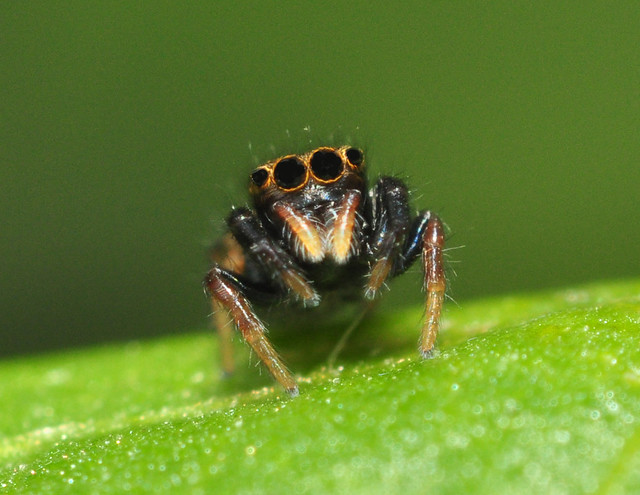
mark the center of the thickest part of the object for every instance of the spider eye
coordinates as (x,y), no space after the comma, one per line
(354,156)
(259,177)
(289,173)
(326,165)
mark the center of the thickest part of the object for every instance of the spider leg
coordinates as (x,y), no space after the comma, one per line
(390,212)
(228,254)
(426,236)
(396,242)
(228,291)
(222,320)
(434,281)
(223,325)
(272,259)
(252,267)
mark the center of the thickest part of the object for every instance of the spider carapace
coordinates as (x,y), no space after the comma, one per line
(315,227)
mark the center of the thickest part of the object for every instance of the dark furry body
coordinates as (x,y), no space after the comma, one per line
(315,229)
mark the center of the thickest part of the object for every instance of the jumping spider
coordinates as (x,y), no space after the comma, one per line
(315,228)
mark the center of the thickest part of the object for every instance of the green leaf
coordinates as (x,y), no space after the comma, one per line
(526,394)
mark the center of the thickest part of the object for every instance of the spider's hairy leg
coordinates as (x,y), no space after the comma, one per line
(390,216)
(274,261)
(225,291)
(223,325)
(426,237)
(227,254)
(434,283)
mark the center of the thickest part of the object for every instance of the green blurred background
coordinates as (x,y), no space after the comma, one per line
(126,129)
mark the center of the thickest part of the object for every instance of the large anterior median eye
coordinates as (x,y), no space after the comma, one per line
(289,173)
(326,165)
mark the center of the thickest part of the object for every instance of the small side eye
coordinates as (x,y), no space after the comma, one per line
(289,173)
(259,177)
(354,156)
(326,165)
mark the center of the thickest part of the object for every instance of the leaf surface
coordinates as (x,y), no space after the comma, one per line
(531,394)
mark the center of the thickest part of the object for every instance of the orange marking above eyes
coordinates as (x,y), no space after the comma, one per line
(306,237)
(341,238)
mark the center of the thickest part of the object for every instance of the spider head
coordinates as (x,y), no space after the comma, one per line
(313,201)
(317,176)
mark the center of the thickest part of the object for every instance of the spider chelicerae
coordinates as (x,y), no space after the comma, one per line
(316,228)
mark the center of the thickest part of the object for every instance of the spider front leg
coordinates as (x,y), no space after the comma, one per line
(227,291)
(271,260)
(390,221)
(267,274)
(228,255)
(424,235)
